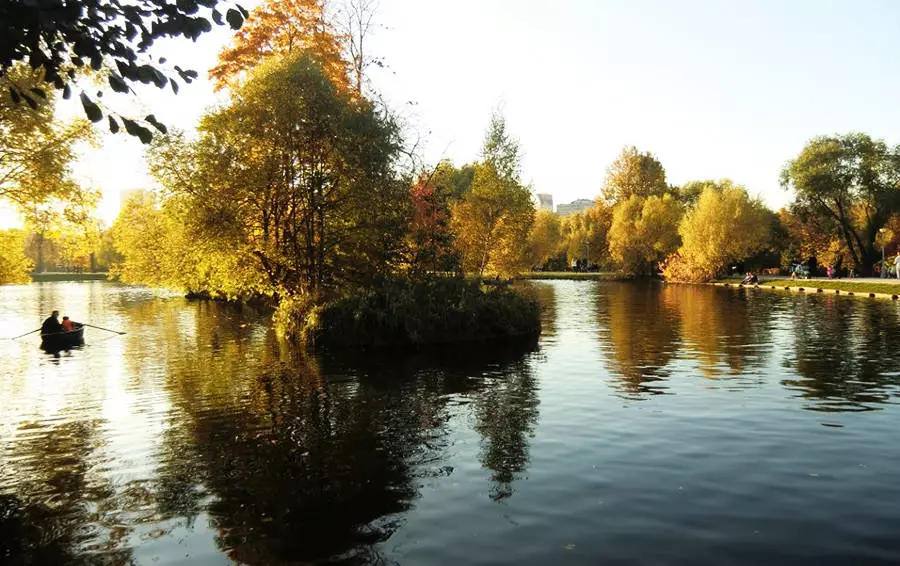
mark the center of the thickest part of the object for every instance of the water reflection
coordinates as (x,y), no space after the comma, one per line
(844,352)
(198,437)
(638,331)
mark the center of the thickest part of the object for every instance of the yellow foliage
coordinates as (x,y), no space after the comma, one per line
(726,225)
(643,232)
(14,266)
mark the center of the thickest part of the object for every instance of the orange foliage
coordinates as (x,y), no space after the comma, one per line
(283,26)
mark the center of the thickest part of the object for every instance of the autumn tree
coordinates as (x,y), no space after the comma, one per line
(36,151)
(585,234)
(450,182)
(430,238)
(851,183)
(545,238)
(725,226)
(281,27)
(14,265)
(297,176)
(494,217)
(643,232)
(634,174)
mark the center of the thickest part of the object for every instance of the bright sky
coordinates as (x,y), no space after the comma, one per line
(713,88)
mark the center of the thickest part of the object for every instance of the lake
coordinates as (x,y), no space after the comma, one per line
(650,424)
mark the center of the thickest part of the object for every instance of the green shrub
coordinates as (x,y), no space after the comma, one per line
(400,312)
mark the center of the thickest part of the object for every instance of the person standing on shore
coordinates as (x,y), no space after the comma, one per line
(897,264)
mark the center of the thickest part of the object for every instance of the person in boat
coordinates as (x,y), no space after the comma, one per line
(52,324)
(67,325)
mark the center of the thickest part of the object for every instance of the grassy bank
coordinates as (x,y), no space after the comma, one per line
(405,313)
(864,288)
(574,275)
(64,276)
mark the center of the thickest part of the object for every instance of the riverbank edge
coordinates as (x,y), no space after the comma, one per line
(50,276)
(573,276)
(797,286)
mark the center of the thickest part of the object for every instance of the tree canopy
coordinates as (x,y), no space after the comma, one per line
(643,232)
(295,176)
(725,226)
(494,217)
(36,150)
(850,182)
(634,174)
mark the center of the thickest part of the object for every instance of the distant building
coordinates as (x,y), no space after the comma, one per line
(140,195)
(574,207)
(545,201)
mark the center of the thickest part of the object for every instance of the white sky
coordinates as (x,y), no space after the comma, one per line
(714,88)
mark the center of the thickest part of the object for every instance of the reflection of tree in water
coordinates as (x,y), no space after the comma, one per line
(61,512)
(844,352)
(507,411)
(723,326)
(638,332)
(304,467)
(545,294)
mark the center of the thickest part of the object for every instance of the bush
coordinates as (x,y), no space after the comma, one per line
(401,312)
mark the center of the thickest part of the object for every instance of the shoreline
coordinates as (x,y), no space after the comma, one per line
(817,286)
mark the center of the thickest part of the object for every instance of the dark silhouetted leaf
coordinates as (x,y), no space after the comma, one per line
(174,86)
(67,92)
(217,17)
(151,119)
(15,95)
(117,84)
(113,125)
(235,20)
(93,111)
(39,92)
(244,12)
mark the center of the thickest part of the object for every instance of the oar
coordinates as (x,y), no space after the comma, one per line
(27,333)
(101,328)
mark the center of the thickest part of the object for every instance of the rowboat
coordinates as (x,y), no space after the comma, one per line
(63,340)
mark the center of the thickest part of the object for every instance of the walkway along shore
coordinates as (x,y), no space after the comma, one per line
(857,287)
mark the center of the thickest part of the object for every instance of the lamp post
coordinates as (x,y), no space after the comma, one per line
(883,267)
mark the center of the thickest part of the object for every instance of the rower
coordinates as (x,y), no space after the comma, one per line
(51,325)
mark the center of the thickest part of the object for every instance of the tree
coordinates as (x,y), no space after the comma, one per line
(295,176)
(36,151)
(451,182)
(545,238)
(14,265)
(491,223)
(62,38)
(585,235)
(500,150)
(850,182)
(280,27)
(430,237)
(634,174)
(726,226)
(643,232)
(494,217)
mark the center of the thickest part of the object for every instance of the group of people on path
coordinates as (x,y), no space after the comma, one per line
(53,326)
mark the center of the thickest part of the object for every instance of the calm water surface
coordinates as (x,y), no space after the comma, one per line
(649,425)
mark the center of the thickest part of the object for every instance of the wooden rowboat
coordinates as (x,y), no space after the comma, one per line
(63,340)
